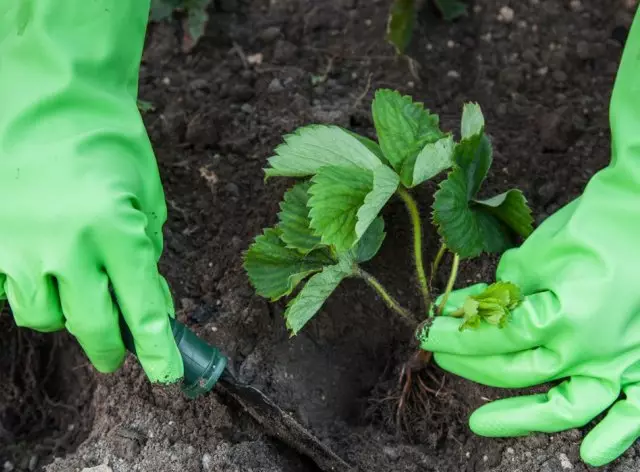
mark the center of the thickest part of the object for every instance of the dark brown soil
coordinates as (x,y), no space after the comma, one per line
(543,80)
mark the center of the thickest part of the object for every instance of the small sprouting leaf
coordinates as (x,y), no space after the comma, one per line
(309,148)
(472,120)
(511,208)
(145,106)
(451,9)
(315,292)
(275,270)
(344,202)
(493,305)
(401,23)
(371,242)
(294,220)
(433,159)
(469,226)
(508,293)
(404,127)
(162,9)
(385,184)
(197,19)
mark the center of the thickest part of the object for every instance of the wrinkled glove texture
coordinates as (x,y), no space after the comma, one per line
(580,321)
(81,202)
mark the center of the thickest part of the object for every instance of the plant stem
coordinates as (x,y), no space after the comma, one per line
(436,263)
(450,283)
(391,302)
(414,213)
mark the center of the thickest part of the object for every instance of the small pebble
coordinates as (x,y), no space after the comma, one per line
(559,76)
(565,462)
(575,5)
(166,81)
(247,108)
(453,74)
(7,467)
(451,44)
(270,34)
(275,86)
(510,450)
(33,463)
(506,14)
(485,458)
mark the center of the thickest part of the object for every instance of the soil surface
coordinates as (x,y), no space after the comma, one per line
(542,70)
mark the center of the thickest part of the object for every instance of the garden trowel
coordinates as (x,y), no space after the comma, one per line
(205,367)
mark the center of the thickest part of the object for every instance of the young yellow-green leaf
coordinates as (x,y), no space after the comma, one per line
(370,242)
(511,208)
(493,305)
(433,159)
(451,9)
(309,148)
(294,222)
(403,127)
(275,270)
(400,24)
(385,184)
(315,292)
(345,201)
(468,226)
(472,120)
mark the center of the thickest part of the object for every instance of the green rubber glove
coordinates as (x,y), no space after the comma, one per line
(580,321)
(81,202)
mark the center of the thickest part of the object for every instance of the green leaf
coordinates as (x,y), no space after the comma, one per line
(401,23)
(308,149)
(433,159)
(197,22)
(472,120)
(371,146)
(345,201)
(316,291)
(385,184)
(457,224)
(469,226)
(275,270)
(474,156)
(403,128)
(371,242)
(336,195)
(511,208)
(451,9)
(493,305)
(294,221)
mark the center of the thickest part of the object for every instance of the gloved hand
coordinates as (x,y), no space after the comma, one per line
(81,202)
(580,321)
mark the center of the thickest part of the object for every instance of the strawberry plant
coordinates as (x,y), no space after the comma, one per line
(330,220)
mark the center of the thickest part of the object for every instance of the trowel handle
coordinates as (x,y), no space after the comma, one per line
(203,363)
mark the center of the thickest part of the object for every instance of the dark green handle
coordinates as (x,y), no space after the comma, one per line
(203,363)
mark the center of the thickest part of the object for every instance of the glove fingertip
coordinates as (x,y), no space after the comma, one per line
(593,456)
(106,362)
(163,364)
